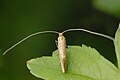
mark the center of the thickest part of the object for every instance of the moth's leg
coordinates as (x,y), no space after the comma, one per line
(56,42)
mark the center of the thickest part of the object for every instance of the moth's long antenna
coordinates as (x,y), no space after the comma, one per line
(106,36)
(27,38)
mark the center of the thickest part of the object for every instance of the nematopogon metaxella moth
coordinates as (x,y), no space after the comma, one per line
(61,43)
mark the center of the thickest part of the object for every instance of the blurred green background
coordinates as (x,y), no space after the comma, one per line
(19,18)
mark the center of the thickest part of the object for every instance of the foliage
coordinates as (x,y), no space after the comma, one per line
(108,6)
(83,63)
(117,45)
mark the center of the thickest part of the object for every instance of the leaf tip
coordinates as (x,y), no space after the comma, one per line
(119,26)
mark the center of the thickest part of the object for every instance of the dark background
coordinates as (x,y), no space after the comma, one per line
(19,18)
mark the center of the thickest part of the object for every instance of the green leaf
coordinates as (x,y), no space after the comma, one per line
(117,45)
(108,6)
(83,63)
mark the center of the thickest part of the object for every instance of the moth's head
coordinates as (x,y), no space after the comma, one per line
(60,34)
(61,37)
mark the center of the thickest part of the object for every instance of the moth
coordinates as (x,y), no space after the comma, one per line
(61,44)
